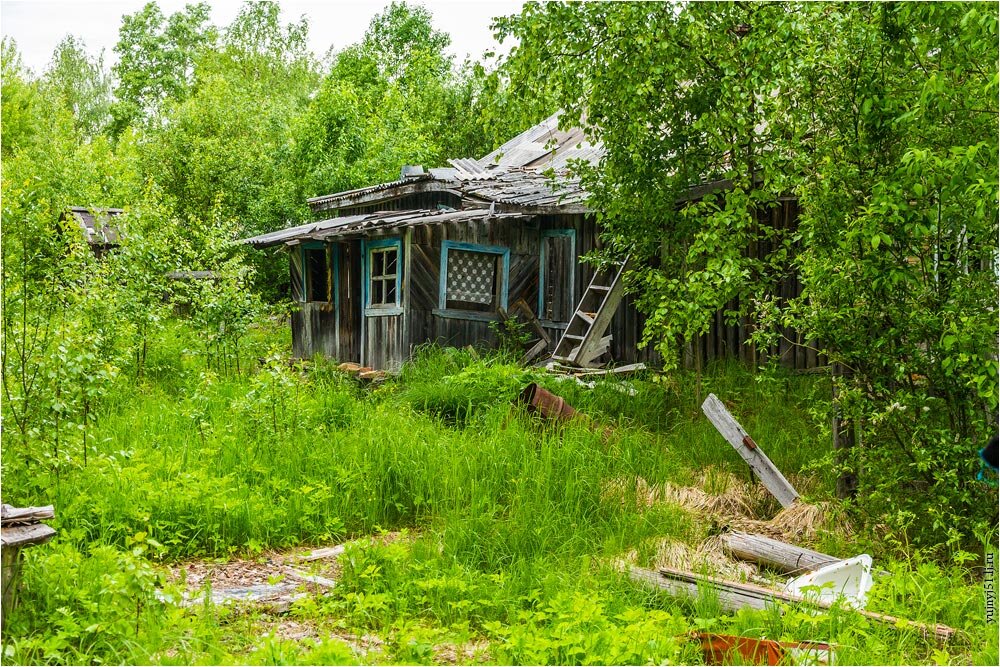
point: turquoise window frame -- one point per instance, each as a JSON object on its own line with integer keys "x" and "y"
{"x": 367, "y": 248}
{"x": 552, "y": 233}
{"x": 442, "y": 310}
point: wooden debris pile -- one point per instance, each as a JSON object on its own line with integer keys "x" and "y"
{"x": 852, "y": 575}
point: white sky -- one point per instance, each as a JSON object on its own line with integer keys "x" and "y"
{"x": 38, "y": 25}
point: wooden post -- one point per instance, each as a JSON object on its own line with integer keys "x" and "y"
{"x": 755, "y": 457}
{"x": 844, "y": 438}
{"x": 787, "y": 558}
{"x": 10, "y": 566}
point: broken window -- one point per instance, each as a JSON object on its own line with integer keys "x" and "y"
{"x": 475, "y": 278}
{"x": 317, "y": 275}
{"x": 383, "y": 277}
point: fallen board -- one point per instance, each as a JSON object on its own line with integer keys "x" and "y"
{"x": 734, "y": 596}
{"x": 781, "y": 556}
{"x": 755, "y": 457}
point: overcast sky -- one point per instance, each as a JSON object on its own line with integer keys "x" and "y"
{"x": 37, "y": 26}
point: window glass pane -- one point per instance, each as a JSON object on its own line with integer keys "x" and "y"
{"x": 382, "y": 277}
{"x": 471, "y": 277}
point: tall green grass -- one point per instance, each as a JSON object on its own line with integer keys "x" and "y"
{"x": 188, "y": 463}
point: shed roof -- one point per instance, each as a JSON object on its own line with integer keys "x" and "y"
{"x": 96, "y": 224}
{"x": 517, "y": 166}
{"x": 360, "y": 225}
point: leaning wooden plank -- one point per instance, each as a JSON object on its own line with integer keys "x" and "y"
{"x": 734, "y": 595}
{"x": 755, "y": 457}
{"x": 533, "y": 353}
{"x": 12, "y": 515}
{"x": 779, "y": 555}
{"x": 21, "y": 536}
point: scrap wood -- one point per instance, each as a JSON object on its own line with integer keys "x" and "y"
{"x": 776, "y": 554}
{"x": 310, "y": 578}
{"x": 734, "y": 595}
{"x": 262, "y": 593}
{"x": 755, "y": 457}
{"x": 325, "y": 552}
{"x": 21, "y": 515}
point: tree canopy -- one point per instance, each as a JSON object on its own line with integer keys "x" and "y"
{"x": 881, "y": 121}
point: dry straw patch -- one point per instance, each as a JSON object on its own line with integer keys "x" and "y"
{"x": 735, "y": 503}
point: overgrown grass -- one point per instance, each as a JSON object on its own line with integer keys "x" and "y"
{"x": 515, "y": 527}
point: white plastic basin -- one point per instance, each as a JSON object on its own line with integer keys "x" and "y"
{"x": 849, "y": 580}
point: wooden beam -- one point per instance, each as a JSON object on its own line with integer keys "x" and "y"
{"x": 12, "y": 515}
{"x": 786, "y": 558}
{"x": 755, "y": 457}
{"x": 734, "y": 596}
{"x": 22, "y": 536}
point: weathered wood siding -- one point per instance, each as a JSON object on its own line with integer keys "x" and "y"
{"x": 423, "y": 200}
{"x": 341, "y": 330}
{"x": 524, "y": 239}
{"x": 349, "y": 285}
{"x": 727, "y": 340}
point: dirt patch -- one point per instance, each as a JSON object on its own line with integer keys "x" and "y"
{"x": 232, "y": 573}
{"x": 474, "y": 652}
{"x": 269, "y": 567}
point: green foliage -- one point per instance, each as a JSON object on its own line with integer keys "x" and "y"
{"x": 81, "y": 84}
{"x": 156, "y": 59}
{"x": 882, "y": 121}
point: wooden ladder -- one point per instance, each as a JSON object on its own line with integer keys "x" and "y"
{"x": 583, "y": 341}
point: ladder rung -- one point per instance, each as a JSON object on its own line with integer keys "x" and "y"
{"x": 586, "y": 317}
{"x": 573, "y": 336}
{"x": 603, "y": 288}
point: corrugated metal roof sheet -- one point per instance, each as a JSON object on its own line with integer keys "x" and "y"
{"x": 545, "y": 146}
{"x": 520, "y": 187}
{"x": 368, "y": 222}
{"x": 322, "y": 199}
{"x": 96, "y": 224}
{"x": 509, "y": 175}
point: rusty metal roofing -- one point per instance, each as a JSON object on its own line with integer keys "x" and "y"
{"x": 360, "y": 225}
{"x": 96, "y": 223}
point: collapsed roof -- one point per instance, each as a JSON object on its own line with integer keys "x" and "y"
{"x": 97, "y": 224}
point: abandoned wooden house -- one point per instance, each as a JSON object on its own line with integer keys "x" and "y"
{"x": 97, "y": 225}
{"x": 440, "y": 255}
